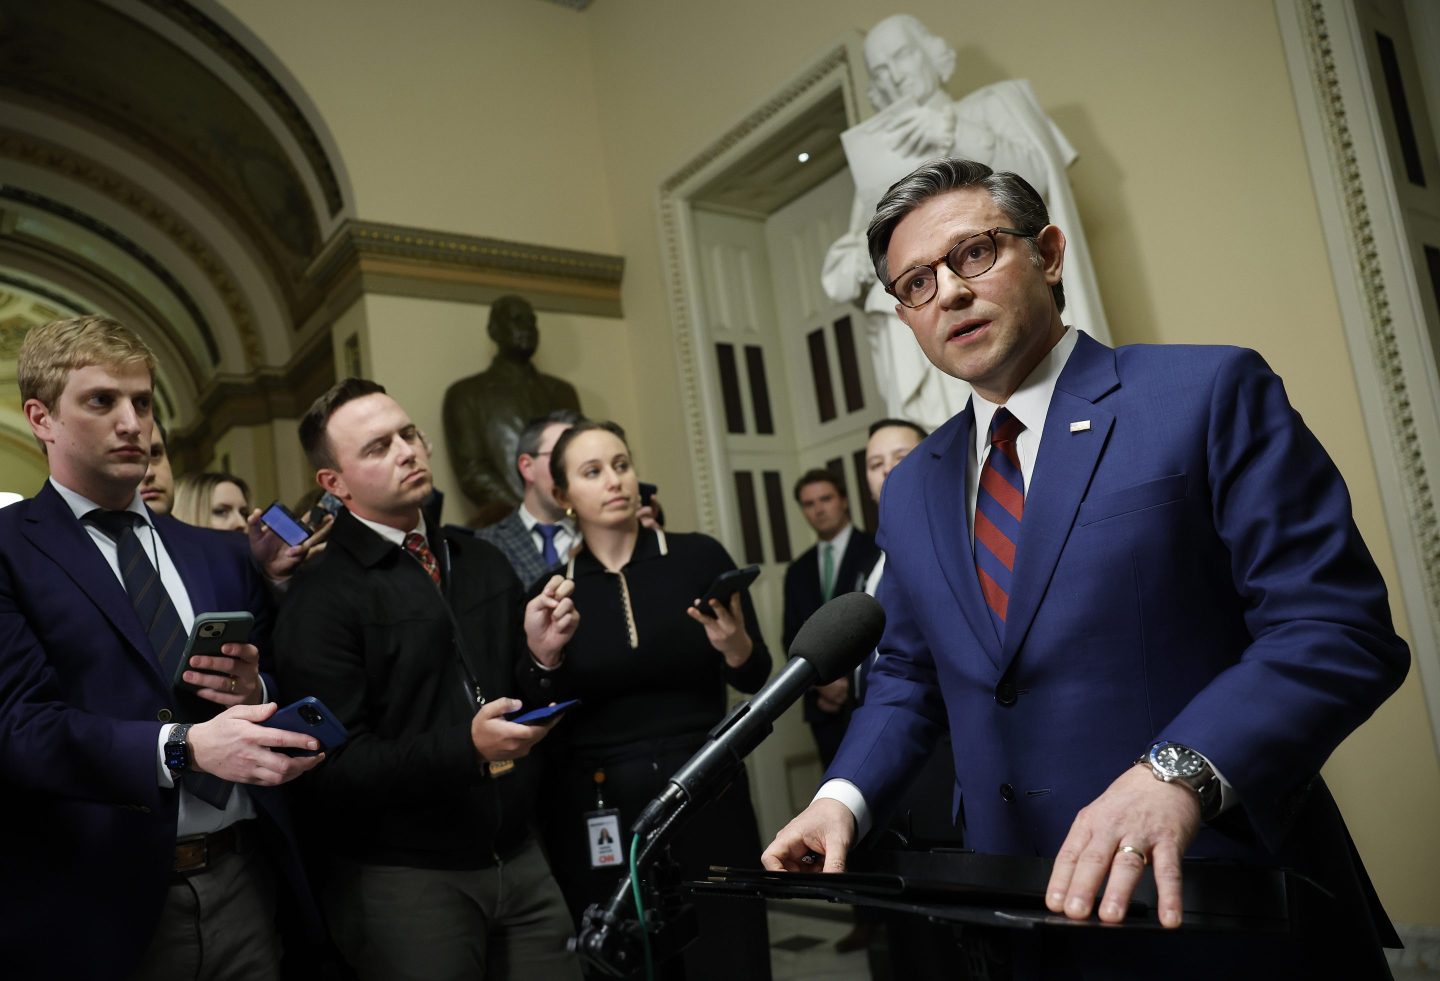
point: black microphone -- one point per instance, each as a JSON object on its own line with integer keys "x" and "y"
{"x": 835, "y": 639}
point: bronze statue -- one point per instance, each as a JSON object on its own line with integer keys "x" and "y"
{"x": 485, "y": 413}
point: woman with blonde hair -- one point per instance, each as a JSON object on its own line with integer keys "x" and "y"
{"x": 212, "y": 500}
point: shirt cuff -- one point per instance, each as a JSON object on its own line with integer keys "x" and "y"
{"x": 1228, "y": 797}
{"x": 547, "y": 667}
{"x": 848, "y": 794}
{"x": 165, "y": 778}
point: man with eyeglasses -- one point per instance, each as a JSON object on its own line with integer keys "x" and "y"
{"x": 537, "y": 536}
{"x": 1146, "y": 624}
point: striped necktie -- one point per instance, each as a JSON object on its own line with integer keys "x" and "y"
{"x": 142, "y": 582}
{"x": 999, "y": 506}
{"x": 162, "y": 625}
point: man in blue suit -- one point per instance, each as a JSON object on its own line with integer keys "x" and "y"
{"x": 126, "y": 846}
{"x": 1129, "y": 584}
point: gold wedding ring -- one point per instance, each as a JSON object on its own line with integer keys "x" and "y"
{"x": 232, "y": 684}
{"x": 1132, "y": 850}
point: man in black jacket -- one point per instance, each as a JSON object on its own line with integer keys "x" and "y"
{"x": 411, "y": 635}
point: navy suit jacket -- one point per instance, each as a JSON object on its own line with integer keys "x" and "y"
{"x": 1187, "y": 569}
{"x": 87, "y": 837}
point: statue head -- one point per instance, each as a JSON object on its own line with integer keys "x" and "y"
{"x": 905, "y": 59}
{"x": 512, "y": 327}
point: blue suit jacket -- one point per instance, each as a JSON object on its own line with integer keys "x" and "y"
{"x": 1187, "y": 569}
{"x": 87, "y": 837}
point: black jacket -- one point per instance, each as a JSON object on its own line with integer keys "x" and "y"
{"x": 368, "y": 633}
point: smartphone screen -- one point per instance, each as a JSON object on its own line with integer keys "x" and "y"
{"x": 277, "y": 518}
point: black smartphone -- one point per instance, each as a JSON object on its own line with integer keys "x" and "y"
{"x": 208, "y": 634}
{"x": 726, "y": 585}
{"x": 536, "y": 716}
{"x": 311, "y": 717}
{"x": 647, "y": 491}
{"x": 328, "y": 504}
{"x": 282, "y": 521}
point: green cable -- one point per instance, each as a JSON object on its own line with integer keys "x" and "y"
{"x": 640, "y": 907}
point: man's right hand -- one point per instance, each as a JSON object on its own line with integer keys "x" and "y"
{"x": 832, "y": 697}
{"x": 235, "y": 747}
{"x": 496, "y": 739}
{"x": 826, "y": 827}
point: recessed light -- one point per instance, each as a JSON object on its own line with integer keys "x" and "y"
{"x": 803, "y": 157}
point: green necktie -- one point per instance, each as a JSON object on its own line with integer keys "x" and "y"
{"x": 827, "y": 570}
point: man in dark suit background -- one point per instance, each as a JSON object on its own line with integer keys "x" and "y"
{"x": 1129, "y": 582}
{"x": 837, "y": 564}
{"x": 536, "y": 536}
{"x": 115, "y": 856}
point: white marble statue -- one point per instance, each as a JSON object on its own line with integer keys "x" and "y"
{"x": 1001, "y": 125}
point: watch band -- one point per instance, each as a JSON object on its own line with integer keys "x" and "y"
{"x": 177, "y": 749}
{"x": 1205, "y": 781}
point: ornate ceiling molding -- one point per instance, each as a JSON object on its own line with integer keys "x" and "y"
{"x": 41, "y": 154}
{"x": 400, "y": 260}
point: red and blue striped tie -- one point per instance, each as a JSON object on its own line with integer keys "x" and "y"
{"x": 999, "y": 506}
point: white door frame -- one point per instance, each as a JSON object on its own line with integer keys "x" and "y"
{"x": 842, "y": 68}
{"x": 1380, "y": 300}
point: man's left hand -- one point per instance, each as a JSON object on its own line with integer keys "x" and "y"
{"x": 550, "y": 620}
{"x": 231, "y": 677}
{"x": 1138, "y": 820}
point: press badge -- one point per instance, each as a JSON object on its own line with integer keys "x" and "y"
{"x": 602, "y": 830}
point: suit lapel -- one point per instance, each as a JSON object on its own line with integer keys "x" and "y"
{"x": 54, "y": 530}
{"x": 1062, "y": 476}
{"x": 949, "y": 519}
{"x": 194, "y": 573}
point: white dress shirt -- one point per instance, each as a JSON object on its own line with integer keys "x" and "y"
{"x": 566, "y": 537}
{"x": 196, "y": 816}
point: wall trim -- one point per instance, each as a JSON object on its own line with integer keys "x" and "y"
{"x": 841, "y": 67}
{"x": 1395, "y": 369}
{"x": 373, "y": 257}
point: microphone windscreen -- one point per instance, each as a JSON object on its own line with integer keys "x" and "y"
{"x": 840, "y": 634}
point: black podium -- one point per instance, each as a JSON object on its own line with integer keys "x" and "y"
{"x": 1005, "y": 891}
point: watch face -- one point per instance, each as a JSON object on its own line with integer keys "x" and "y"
{"x": 1178, "y": 760}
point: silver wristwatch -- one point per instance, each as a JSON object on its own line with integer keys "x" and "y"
{"x": 1174, "y": 763}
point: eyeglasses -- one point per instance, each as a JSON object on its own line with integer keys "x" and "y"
{"x": 968, "y": 258}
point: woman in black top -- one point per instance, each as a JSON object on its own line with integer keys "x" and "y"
{"x": 651, "y": 672}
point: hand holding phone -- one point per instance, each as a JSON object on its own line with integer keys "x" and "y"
{"x": 208, "y": 634}
{"x": 282, "y": 521}
{"x": 726, "y": 585}
{"x": 310, "y": 717}
{"x": 535, "y": 717}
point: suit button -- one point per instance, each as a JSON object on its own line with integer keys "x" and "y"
{"x": 164, "y": 715}
{"x": 1005, "y": 693}
{"x": 1007, "y": 793}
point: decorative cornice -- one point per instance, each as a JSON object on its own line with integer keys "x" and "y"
{"x": 401, "y": 260}
{"x": 217, "y": 39}
{"x": 682, "y": 298}
{"x": 38, "y": 153}
{"x": 1369, "y": 273}
{"x": 255, "y": 399}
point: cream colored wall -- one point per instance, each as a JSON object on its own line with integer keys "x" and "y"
{"x": 528, "y": 121}
{"x": 454, "y": 115}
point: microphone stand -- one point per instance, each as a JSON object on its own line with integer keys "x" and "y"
{"x": 612, "y": 939}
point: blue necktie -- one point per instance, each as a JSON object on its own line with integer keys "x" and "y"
{"x": 161, "y": 622}
{"x": 999, "y": 506}
{"x": 548, "y": 555}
